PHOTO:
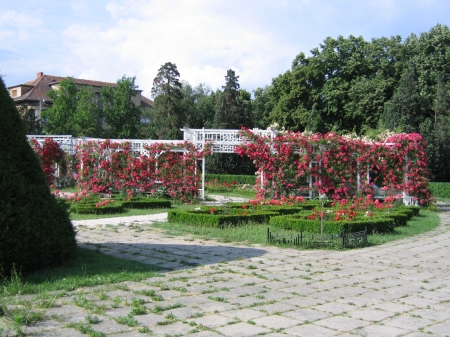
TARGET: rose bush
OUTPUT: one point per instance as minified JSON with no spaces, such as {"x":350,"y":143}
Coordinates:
{"x":333,"y":162}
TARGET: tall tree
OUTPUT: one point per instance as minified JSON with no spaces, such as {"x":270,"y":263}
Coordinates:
{"x":228,"y":108}
{"x":167,"y":108}
{"x":73,"y":111}
{"x":122,"y":115}
{"x":404,"y":110}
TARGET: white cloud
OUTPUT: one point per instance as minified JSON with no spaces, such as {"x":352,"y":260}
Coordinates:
{"x":202,"y":42}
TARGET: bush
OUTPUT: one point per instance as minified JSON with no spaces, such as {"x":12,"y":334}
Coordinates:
{"x":330,"y":227}
{"x":439,"y":190}
{"x":92,"y":208}
{"x":35,"y":230}
{"x":230,"y":178}
{"x":146,"y":203}
{"x":200,"y":218}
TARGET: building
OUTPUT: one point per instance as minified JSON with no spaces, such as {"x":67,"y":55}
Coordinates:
{"x":33,"y":94}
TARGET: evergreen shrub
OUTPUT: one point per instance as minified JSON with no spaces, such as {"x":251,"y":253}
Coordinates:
{"x":92,"y":208}
{"x":146,"y":203}
{"x":230,"y":178}
{"x":439,"y":190}
{"x":35,"y":229}
{"x":206,"y":219}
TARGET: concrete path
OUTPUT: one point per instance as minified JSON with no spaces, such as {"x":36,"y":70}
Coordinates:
{"x":214,"y":289}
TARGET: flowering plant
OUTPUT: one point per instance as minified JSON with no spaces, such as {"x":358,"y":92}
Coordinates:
{"x":333,"y":162}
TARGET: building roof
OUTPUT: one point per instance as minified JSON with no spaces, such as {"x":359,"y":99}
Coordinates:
{"x":42,"y":84}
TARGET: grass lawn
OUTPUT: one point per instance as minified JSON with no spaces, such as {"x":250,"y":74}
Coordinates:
{"x":88,"y":268}
{"x":257,"y":233}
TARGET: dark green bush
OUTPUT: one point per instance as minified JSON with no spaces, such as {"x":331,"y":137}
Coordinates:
{"x":146,"y":203}
{"x":91,"y":208}
{"x":35,"y":230}
{"x":230,"y":178}
{"x":332,"y":227}
{"x":439,"y":190}
{"x":200,"y":218}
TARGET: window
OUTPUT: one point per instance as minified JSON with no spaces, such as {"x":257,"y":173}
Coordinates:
{"x":98,"y":98}
{"x":14,"y":93}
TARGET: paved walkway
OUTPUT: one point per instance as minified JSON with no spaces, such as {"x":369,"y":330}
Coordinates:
{"x":213,"y":289}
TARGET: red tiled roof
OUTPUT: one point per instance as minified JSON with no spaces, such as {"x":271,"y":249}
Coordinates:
{"x":41,"y":85}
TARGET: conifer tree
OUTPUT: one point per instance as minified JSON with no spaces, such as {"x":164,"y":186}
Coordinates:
{"x":35,"y":230}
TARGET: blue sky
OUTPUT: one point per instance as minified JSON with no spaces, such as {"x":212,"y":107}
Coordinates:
{"x":106,"y":39}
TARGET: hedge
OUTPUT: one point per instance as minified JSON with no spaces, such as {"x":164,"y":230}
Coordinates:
{"x":229,"y":178}
{"x":146,"y":203}
{"x":90,"y":208}
{"x":439,"y":190}
{"x":200,"y":218}
{"x":314,"y":226}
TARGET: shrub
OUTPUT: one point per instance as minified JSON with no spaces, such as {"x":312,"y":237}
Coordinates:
{"x":92,"y":208}
{"x":333,"y":227}
{"x":146,"y":203}
{"x":230,"y":179}
{"x":207,"y":219}
{"x":439,"y":190}
{"x":35,"y":231}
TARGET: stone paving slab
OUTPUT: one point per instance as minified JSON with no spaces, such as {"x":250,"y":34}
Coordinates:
{"x":401,"y":288}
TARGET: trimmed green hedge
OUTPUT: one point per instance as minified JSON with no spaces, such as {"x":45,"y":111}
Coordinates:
{"x":146,"y":203}
{"x":439,"y":190}
{"x":313,"y":226}
{"x":229,"y":178}
{"x":90,"y":208}
{"x":200,"y":218}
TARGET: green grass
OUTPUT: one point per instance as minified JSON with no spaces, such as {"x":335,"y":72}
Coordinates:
{"x":257,"y":233}
{"x":426,"y":221}
{"x":88,"y":268}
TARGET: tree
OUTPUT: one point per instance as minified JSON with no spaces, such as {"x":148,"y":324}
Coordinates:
{"x":228,"y":108}
{"x":167,"y":109}
{"x":31,"y":124}
{"x":261,"y":107}
{"x":73,"y":111}
{"x":61,"y":115}
{"x":404,"y":110}
{"x":198,"y":105}
{"x":233,"y":110}
{"x":35,"y":230}
{"x":122,"y":115}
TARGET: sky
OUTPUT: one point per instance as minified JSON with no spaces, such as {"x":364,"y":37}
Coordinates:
{"x":104,"y":40}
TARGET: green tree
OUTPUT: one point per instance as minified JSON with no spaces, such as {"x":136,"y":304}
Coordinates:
{"x":167,"y":114}
{"x":261,"y":107}
{"x":404,"y":110}
{"x":73,"y":111}
{"x":228,"y":108}
{"x":31,"y":124}
{"x":62,"y":114}
{"x":35,"y":230}
{"x":198,"y":105}
{"x":122,"y":115}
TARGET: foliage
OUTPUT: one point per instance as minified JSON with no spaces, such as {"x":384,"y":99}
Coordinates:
{"x":122,"y":115}
{"x":167,"y":113}
{"x":35,"y":231}
{"x":31,"y":123}
{"x":73,"y":112}
{"x":49,"y":155}
{"x":440,"y":190}
{"x":231,"y":179}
